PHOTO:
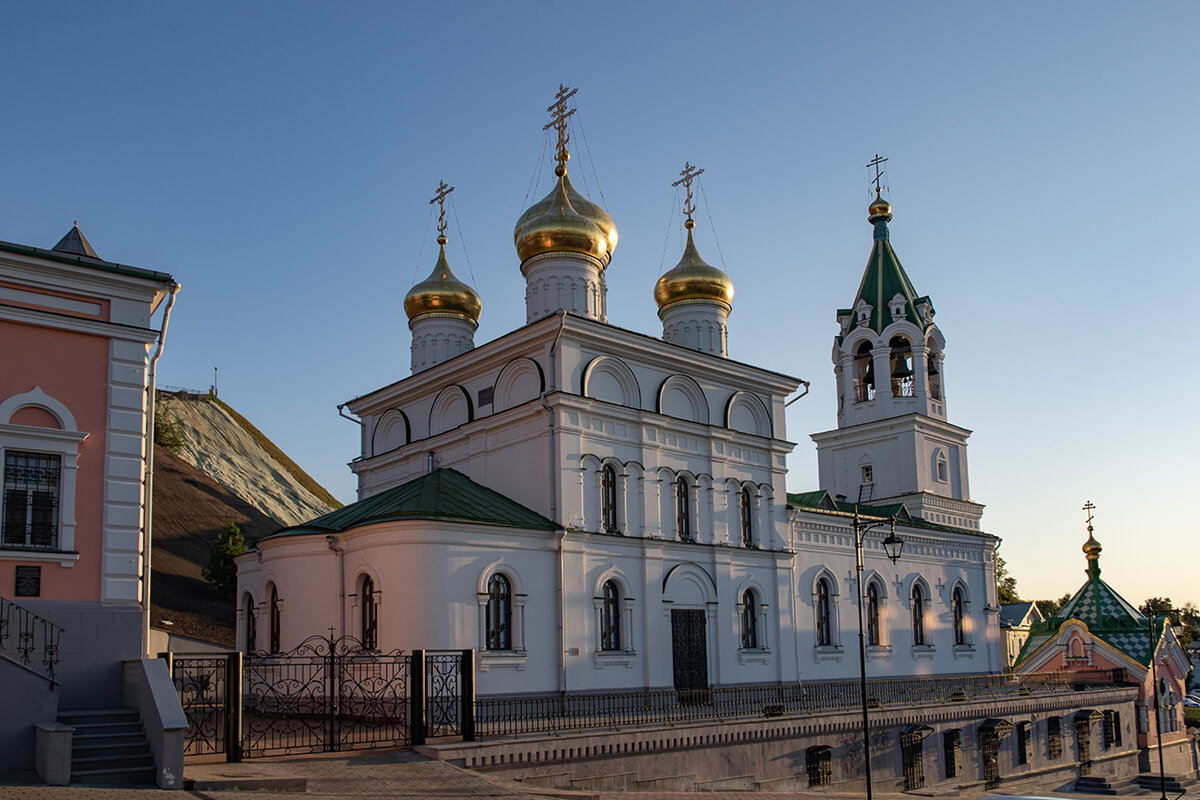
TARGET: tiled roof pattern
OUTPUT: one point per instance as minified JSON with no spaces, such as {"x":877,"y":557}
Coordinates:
{"x":444,"y":494}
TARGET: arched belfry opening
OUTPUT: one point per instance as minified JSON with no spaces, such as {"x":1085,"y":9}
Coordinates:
{"x":934,"y":369}
{"x":864,"y":374}
{"x":900,"y":363}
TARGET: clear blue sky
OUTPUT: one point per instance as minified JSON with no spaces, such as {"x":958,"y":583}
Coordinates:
{"x":277,"y":158}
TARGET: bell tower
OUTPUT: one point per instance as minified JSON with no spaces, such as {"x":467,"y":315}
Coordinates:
{"x":893,"y":442}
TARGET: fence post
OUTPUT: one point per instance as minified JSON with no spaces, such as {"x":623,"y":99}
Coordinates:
{"x":233,"y":707}
{"x":466,"y":666}
{"x":416,"y":683}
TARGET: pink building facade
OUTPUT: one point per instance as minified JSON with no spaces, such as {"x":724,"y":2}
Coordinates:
{"x":76,"y":339}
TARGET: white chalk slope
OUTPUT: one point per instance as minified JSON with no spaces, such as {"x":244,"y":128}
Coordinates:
{"x":219,"y":447}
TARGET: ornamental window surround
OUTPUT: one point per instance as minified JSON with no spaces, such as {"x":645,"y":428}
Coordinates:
{"x":368,"y":621}
{"x":498,"y":632}
{"x":918,"y":615}
{"x":749,"y":620}
{"x":608,"y":499}
{"x":683,"y":511}
{"x":746,"y":504}
{"x":958,"y":609}
{"x":824,"y":610}
{"x":610,"y":617}
{"x":874,"y":632}
{"x":248,"y":610}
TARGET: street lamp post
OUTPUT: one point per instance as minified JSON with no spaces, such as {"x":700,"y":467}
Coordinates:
{"x":1162,"y":773}
{"x":892,"y":546}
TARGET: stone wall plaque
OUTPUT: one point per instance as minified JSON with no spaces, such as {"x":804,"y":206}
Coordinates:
{"x":28,"y":582}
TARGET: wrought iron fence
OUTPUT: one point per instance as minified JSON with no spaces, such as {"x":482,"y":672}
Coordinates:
{"x":506,"y":716}
{"x":29,"y":639}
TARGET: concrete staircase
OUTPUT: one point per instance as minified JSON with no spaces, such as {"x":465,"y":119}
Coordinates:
{"x":109,"y":746}
{"x":1152,"y":783}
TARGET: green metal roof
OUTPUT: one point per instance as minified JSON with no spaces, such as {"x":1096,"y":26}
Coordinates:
{"x":1107,"y":615}
{"x":86,"y":261}
{"x":444,"y":494}
{"x":822,"y":502}
{"x":883,"y":279}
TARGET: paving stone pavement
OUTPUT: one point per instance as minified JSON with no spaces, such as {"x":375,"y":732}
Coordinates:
{"x":398,"y":774}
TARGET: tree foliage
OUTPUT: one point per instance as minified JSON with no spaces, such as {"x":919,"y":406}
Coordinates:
{"x":221,"y":572}
{"x":1051,"y":607}
{"x":168,"y":433}
{"x":1006,"y":584}
{"x":1187,"y":616}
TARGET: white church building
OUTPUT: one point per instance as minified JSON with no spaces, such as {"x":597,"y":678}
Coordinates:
{"x":591,"y":508}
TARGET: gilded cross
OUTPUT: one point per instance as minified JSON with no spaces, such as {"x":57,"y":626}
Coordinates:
{"x":443,"y":191}
{"x":558,"y":119}
{"x":689,"y":174}
{"x":877,"y":162}
{"x":1089,"y":507}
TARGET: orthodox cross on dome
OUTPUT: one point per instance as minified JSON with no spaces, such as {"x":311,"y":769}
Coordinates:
{"x":877,"y":162}
{"x":443,"y":191}
{"x":559,"y":113}
{"x":1089,"y":507}
{"x":689,"y":174}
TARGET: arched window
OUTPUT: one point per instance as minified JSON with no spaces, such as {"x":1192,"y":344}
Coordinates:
{"x":683,"y":511}
{"x":873,"y":637}
{"x":956,"y":603}
{"x":918,"y":614}
{"x":369,"y":614}
{"x":749,"y":620}
{"x":275,"y":619}
{"x":864,"y":378}
{"x":901,"y":367}
{"x":824,"y":614}
{"x":251,"y":624}
{"x":608,"y":498}
{"x":610,"y":617}
{"x":499,"y":613}
{"x":747,"y":508}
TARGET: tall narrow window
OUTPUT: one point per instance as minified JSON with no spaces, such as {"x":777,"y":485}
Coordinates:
{"x":369,"y":621}
{"x":499,"y":613}
{"x":824,"y":614}
{"x":610,"y":617}
{"x":275,"y":618}
{"x":918,"y":615}
{"x":1053,"y":738}
{"x":956,"y":601}
{"x":864,"y":379}
{"x":608,"y":498}
{"x":683,"y":513}
{"x":31,"y":491}
{"x":747,"y":507}
{"x":1022,"y":742}
{"x":749,"y":621}
{"x":873,"y":614}
{"x":251,"y":624}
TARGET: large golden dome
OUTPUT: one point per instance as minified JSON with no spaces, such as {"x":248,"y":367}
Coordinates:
{"x":442,"y":293}
{"x":565,"y":221}
{"x":693,"y":279}
{"x":879,"y":209}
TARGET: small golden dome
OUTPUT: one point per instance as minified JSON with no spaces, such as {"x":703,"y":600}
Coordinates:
{"x":1091,"y":547}
{"x":442,"y":293}
{"x":693,"y":279}
{"x":565,"y":220}
{"x":879,"y":209}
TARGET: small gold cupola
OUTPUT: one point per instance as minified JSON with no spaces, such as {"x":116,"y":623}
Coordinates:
{"x":692,"y":279}
{"x":442,"y":293}
{"x":564,"y":221}
{"x":1091,"y":548}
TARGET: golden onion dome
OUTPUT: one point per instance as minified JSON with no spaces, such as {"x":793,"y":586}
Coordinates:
{"x":693,"y":279}
{"x":1091,"y":547}
{"x":879,"y":209}
{"x":565,"y":221}
{"x":442,"y":293}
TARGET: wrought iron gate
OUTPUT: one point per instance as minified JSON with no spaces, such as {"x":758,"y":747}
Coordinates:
{"x":912,"y":750}
{"x":1083,"y":738}
{"x":989,"y":746}
{"x":324,"y":695}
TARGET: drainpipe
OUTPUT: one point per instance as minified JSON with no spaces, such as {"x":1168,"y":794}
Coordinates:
{"x":332,"y":541}
{"x":554,"y":466}
{"x":148,"y":481}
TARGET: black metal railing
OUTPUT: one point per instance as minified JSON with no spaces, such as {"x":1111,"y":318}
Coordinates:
{"x":508,"y":716}
{"x":29,"y":639}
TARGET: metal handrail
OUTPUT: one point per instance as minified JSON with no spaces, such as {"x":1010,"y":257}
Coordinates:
{"x":24,"y":633}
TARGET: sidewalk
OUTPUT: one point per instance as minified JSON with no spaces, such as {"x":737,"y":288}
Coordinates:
{"x":399,"y":774}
